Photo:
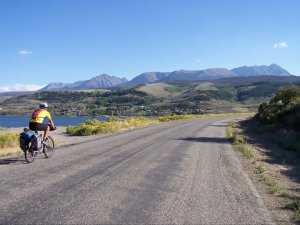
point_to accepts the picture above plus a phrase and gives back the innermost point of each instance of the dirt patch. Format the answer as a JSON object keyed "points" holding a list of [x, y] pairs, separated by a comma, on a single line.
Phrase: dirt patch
{"points": [[279, 165]]}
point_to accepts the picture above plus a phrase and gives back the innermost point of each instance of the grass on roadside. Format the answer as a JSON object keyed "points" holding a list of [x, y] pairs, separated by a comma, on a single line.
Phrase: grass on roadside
{"points": [[92, 127], [295, 205], [274, 187], [238, 143], [244, 148], [260, 168], [9, 144], [272, 184], [291, 202], [9, 140]]}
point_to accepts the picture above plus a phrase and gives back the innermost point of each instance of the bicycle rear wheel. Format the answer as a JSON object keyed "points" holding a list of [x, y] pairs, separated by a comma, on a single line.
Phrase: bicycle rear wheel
{"points": [[49, 147], [30, 155]]}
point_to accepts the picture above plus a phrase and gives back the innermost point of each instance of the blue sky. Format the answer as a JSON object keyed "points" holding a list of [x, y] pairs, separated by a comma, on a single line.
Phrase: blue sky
{"points": [[43, 41]]}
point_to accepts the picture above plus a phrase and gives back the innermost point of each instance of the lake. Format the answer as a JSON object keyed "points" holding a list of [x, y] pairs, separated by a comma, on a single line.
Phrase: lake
{"points": [[22, 121]]}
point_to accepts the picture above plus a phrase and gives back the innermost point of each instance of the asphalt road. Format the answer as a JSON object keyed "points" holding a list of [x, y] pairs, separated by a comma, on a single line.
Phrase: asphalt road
{"points": [[173, 173]]}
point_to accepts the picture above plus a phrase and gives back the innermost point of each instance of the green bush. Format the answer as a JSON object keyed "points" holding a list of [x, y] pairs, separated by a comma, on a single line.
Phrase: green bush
{"points": [[284, 108]]}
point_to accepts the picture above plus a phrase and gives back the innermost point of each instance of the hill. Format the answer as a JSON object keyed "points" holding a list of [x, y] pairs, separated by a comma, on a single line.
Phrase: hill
{"points": [[259, 78], [238, 94], [159, 90]]}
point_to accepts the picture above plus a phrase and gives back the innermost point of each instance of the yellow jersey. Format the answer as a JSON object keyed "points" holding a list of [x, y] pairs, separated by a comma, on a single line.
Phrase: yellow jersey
{"points": [[41, 116]]}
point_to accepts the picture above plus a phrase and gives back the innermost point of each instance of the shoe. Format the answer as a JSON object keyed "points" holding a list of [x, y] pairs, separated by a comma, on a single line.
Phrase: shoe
{"points": [[45, 141], [34, 152]]}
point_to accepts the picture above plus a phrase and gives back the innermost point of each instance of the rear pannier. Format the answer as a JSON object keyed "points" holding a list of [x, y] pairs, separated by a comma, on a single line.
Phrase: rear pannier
{"points": [[25, 138]]}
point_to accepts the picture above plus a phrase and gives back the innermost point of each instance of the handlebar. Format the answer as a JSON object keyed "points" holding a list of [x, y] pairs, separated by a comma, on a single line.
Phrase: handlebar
{"points": [[51, 127]]}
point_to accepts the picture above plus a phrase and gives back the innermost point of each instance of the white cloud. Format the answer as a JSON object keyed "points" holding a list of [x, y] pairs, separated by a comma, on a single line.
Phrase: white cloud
{"points": [[281, 45], [25, 52], [198, 60], [21, 87]]}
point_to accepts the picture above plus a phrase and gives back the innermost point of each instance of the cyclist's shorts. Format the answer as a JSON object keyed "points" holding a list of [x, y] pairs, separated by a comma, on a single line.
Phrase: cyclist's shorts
{"points": [[38, 126]]}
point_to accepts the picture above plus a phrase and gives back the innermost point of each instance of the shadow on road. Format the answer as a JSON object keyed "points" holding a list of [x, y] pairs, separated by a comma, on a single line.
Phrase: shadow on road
{"points": [[11, 161], [212, 125], [205, 139]]}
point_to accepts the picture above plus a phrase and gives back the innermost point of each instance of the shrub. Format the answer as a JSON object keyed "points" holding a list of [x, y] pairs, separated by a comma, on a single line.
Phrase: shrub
{"points": [[112, 125], [284, 107], [287, 96]]}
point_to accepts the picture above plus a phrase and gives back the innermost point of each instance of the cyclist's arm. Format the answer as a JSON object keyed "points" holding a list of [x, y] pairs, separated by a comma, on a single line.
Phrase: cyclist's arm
{"points": [[50, 120]]}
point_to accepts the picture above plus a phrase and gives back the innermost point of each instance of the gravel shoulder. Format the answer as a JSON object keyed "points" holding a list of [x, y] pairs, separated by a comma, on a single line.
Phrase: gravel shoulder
{"points": [[280, 165]]}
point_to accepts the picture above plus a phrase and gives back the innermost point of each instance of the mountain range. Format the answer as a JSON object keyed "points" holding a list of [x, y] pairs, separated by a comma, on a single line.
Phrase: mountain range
{"points": [[106, 81], [101, 81]]}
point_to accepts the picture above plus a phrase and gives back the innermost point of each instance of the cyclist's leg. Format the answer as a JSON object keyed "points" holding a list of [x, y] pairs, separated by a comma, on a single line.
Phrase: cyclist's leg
{"points": [[46, 132]]}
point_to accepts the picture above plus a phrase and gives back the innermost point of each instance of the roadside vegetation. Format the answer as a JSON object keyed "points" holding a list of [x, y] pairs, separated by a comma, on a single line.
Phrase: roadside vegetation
{"points": [[9, 144], [242, 146], [273, 185], [281, 116], [92, 127], [277, 123], [239, 143]]}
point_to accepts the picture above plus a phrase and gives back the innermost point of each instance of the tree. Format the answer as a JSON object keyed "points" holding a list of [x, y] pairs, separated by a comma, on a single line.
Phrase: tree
{"points": [[287, 96], [281, 105]]}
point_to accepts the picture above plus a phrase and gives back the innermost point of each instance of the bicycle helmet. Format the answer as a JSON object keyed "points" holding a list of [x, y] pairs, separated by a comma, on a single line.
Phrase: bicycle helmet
{"points": [[44, 105]]}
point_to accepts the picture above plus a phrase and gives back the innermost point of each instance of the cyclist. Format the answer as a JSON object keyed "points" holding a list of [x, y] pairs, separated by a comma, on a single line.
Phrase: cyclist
{"points": [[37, 119]]}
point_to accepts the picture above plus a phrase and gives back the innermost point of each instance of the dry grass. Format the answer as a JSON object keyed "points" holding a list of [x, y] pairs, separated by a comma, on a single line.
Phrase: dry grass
{"points": [[273, 183], [206, 86], [92, 127], [239, 143], [9, 145], [4, 152], [157, 90]]}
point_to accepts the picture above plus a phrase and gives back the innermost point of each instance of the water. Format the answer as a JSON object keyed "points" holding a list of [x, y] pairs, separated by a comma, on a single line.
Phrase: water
{"points": [[22, 121]]}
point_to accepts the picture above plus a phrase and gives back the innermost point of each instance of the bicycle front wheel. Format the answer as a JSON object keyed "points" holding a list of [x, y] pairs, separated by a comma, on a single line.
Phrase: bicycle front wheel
{"points": [[49, 147]]}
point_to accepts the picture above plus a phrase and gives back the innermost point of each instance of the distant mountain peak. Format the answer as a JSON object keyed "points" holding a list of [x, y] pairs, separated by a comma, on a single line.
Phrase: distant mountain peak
{"points": [[148, 77], [206, 74], [273, 69], [100, 81], [108, 81]]}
